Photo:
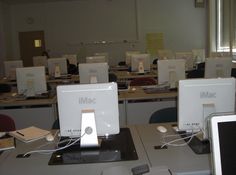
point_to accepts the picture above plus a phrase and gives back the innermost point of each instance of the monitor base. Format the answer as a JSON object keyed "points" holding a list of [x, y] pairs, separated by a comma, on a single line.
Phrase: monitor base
{"points": [[112, 149], [197, 145]]}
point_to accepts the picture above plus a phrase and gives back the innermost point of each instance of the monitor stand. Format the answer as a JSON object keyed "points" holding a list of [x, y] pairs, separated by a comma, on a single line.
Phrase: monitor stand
{"points": [[112, 149], [198, 145]]}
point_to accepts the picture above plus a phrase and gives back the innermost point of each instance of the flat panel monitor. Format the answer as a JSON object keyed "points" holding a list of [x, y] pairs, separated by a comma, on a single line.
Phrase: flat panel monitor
{"points": [[10, 68], [128, 55], [96, 59], [170, 72], [164, 54], [200, 98], [31, 81], [40, 61], [140, 63], [188, 57], [199, 55], [101, 98], [223, 132], [72, 58], [93, 73], [218, 67], [103, 54], [57, 67]]}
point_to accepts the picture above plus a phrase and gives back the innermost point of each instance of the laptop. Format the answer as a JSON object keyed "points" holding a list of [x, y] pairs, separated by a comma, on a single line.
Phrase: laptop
{"points": [[223, 144]]}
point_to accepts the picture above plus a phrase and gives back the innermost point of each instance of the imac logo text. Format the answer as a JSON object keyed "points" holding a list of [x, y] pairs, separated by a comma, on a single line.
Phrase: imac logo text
{"points": [[207, 94], [87, 100]]}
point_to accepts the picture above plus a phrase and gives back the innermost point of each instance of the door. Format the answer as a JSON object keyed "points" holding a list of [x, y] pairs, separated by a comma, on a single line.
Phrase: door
{"points": [[31, 44]]}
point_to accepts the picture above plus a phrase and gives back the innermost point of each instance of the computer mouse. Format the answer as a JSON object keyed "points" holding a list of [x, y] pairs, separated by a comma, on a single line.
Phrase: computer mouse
{"points": [[116, 170], [161, 129], [49, 137]]}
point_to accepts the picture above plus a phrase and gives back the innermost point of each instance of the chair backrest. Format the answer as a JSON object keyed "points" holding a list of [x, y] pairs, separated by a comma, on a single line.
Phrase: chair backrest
{"points": [[6, 123], [112, 77], [56, 124], [5, 88], [143, 81], [164, 115]]}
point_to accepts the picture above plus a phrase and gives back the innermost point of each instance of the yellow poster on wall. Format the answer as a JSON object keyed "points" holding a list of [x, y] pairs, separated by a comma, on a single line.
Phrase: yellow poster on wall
{"points": [[154, 42]]}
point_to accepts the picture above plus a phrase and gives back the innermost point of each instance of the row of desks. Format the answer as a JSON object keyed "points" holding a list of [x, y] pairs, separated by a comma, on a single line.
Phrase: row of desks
{"points": [[179, 160], [135, 107]]}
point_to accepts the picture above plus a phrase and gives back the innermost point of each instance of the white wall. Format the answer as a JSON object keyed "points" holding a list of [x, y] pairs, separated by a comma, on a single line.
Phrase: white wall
{"points": [[67, 24]]}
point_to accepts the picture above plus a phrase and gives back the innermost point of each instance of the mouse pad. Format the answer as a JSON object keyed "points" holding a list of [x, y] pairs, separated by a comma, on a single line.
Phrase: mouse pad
{"points": [[118, 147]]}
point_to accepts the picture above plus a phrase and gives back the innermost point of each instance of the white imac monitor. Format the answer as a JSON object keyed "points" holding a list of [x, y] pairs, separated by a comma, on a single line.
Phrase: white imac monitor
{"points": [[85, 106], [93, 73], [164, 54], [140, 63], [199, 98], [218, 67], [10, 68], [128, 55], [31, 81], [102, 54], [57, 67], [198, 55], [72, 58], [170, 72], [188, 57], [223, 143], [96, 59], [40, 61]]}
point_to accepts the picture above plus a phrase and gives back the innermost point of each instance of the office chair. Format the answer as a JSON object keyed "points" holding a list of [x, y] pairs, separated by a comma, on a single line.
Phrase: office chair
{"points": [[155, 61], [122, 63], [112, 77], [5, 88], [143, 81], [6, 123], [56, 124], [195, 73], [233, 72], [164, 115]]}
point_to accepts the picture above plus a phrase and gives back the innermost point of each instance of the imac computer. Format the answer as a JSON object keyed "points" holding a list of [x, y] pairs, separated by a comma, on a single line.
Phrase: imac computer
{"points": [[223, 131], [93, 73], [170, 72], [200, 98], [57, 67], [40, 61], [72, 58], [90, 112], [198, 55], [128, 55], [31, 81], [140, 63], [218, 67], [96, 59], [103, 54], [164, 54], [10, 68], [188, 57]]}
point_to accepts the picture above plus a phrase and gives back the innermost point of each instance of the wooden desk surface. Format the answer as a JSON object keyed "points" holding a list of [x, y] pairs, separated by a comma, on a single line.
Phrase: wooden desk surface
{"points": [[137, 93], [130, 75], [7, 100]]}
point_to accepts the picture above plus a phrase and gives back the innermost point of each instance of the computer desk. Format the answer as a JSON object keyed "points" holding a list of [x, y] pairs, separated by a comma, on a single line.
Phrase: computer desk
{"points": [[37, 164], [38, 112], [180, 160], [125, 75], [136, 106]]}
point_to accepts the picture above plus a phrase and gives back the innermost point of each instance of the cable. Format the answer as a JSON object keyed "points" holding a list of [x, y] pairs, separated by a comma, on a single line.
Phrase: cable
{"points": [[170, 143], [57, 149]]}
